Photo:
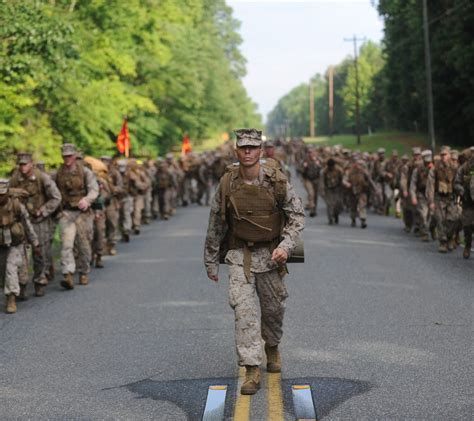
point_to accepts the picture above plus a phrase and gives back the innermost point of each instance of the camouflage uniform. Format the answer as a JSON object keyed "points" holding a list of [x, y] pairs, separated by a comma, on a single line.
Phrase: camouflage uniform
{"points": [[262, 286], [311, 177], [439, 191], [15, 228], [43, 199], [358, 180], [139, 184], [332, 180], [99, 209], [112, 208], [76, 226], [418, 184], [164, 184], [464, 186]]}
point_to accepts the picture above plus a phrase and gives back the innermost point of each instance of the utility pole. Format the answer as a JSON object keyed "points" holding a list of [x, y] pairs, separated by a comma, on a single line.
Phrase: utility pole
{"points": [[429, 87], [311, 109], [331, 100], [354, 39]]}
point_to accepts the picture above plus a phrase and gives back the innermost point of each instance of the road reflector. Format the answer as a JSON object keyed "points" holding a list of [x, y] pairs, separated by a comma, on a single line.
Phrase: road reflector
{"points": [[215, 403], [303, 402]]}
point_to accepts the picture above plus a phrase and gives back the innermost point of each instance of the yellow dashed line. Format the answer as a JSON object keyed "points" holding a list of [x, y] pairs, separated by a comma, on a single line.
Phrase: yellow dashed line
{"points": [[242, 406], [274, 397]]}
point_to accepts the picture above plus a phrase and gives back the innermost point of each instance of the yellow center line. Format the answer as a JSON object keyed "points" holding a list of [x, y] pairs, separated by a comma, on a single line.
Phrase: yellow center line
{"points": [[274, 397], [242, 406]]}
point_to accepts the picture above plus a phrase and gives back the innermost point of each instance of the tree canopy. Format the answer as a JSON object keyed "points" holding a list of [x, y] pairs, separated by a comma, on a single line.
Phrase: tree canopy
{"points": [[392, 77], [70, 71]]}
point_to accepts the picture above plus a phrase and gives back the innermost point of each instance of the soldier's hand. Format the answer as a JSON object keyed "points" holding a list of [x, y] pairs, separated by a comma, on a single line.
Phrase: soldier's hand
{"points": [[414, 202], [279, 255], [405, 194], [83, 204], [432, 207], [214, 278]]}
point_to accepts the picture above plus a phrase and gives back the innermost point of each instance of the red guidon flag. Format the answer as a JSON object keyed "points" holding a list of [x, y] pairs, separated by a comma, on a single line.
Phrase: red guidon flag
{"points": [[186, 146], [123, 139]]}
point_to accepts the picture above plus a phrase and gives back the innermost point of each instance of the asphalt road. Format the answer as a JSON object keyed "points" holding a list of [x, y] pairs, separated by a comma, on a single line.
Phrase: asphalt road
{"points": [[378, 324]]}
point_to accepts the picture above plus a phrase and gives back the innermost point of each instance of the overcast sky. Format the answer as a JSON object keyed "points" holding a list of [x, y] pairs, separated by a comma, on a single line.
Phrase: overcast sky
{"points": [[285, 42]]}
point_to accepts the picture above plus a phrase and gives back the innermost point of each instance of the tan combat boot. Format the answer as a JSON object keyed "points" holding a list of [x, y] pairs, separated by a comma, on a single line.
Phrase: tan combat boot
{"points": [[252, 380], [467, 252], [68, 281], [39, 290], [11, 304], [273, 359], [84, 279], [443, 247], [99, 264], [23, 296], [112, 251]]}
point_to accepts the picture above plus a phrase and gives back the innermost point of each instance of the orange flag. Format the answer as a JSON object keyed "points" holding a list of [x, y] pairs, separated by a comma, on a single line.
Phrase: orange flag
{"points": [[123, 139], [186, 146]]}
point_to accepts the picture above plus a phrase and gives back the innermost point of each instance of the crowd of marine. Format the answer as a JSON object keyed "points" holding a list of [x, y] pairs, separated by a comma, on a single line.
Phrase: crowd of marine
{"points": [[92, 203]]}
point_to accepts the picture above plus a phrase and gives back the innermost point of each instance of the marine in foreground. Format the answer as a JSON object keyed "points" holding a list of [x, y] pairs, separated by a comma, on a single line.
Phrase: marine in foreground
{"points": [[255, 221]]}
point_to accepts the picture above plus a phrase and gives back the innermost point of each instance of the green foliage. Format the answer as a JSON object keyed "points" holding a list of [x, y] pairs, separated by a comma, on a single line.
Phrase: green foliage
{"points": [[452, 52], [71, 70], [293, 108]]}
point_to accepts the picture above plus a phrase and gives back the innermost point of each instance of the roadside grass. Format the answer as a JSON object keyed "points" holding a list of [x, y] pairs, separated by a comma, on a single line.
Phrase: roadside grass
{"points": [[401, 141]]}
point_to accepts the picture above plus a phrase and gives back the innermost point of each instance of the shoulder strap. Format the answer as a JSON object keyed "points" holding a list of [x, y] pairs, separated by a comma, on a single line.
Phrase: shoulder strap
{"points": [[225, 191]]}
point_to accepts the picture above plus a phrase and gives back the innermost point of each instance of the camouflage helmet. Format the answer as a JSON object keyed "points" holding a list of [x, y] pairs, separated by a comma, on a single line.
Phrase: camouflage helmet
{"points": [[68, 149], [248, 137], [23, 158]]}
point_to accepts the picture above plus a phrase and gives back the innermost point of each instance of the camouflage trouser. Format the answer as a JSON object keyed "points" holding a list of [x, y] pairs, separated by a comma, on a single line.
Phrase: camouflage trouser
{"points": [[126, 214], [147, 203], [379, 201], [467, 220], [446, 218], [333, 199], [164, 202], [408, 213], [423, 214], [112, 215], [41, 264], [358, 205], [138, 204], [265, 292], [98, 245], [312, 187], [76, 234], [11, 262]]}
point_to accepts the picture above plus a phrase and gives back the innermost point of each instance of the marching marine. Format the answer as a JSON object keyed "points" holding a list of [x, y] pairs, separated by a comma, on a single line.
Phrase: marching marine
{"points": [[79, 189], [464, 186], [15, 229], [42, 201], [257, 216]]}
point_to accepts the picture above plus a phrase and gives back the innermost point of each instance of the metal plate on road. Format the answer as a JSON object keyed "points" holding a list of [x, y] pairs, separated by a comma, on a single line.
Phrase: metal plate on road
{"points": [[215, 403], [303, 402]]}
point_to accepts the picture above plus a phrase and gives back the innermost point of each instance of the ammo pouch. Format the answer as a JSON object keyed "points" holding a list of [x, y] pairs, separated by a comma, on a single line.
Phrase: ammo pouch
{"points": [[443, 187], [17, 233]]}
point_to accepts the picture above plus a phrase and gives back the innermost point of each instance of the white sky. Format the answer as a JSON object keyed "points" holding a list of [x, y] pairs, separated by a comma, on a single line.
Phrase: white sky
{"points": [[288, 41]]}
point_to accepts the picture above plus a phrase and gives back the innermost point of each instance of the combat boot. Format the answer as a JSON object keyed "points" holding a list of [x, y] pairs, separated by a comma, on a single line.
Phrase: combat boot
{"points": [[23, 296], [336, 219], [363, 224], [331, 222], [452, 244], [84, 279], [273, 359], [443, 247], [467, 252], [112, 251], [353, 223], [99, 264], [39, 290], [68, 281], [10, 307], [312, 214], [252, 380], [425, 238], [126, 237]]}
